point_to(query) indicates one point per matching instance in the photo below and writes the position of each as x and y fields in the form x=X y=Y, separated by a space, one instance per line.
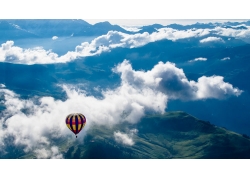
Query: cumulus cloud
x=24 y=120
x=54 y=37
x=225 y=58
x=172 y=81
x=126 y=139
x=35 y=122
x=198 y=59
x=214 y=87
x=211 y=39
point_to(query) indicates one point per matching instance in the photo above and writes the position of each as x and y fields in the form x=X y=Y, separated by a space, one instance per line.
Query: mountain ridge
x=173 y=135
x=47 y=28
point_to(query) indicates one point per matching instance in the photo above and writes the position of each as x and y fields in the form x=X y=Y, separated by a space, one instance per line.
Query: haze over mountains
x=49 y=68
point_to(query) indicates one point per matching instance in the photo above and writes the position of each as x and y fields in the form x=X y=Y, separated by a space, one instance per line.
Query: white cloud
x=225 y=58
x=170 y=80
x=114 y=39
x=35 y=122
x=243 y=34
x=173 y=34
x=44 y=117
x=211 y=39
x=2 y=86
x=123 y=138
x=239 y=26
x=14 y=54
x=131 y=28
x=111 y=40
x=54 y=37
x=214 y=87
x=198 y=59
x=104 y=43
x=133 y=131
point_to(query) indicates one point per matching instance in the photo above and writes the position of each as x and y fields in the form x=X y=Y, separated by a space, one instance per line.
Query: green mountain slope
x=171 y=135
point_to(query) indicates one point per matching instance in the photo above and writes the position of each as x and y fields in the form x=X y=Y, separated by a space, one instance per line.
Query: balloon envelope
x=75 y=122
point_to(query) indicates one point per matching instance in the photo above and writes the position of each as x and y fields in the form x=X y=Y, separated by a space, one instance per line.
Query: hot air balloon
x=75 y=122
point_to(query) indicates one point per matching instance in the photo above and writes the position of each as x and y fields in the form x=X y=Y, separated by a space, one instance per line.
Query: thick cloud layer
x=35 y=122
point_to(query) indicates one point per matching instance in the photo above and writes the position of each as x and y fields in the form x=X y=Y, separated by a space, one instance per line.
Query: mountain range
x=206 y=128
x=44 y=28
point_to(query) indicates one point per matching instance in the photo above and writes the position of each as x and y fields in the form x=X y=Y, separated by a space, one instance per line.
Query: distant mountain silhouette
x=47 y=28
x=12 y=29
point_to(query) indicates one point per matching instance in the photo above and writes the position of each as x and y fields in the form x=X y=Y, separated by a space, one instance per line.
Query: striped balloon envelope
x=75 y=122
